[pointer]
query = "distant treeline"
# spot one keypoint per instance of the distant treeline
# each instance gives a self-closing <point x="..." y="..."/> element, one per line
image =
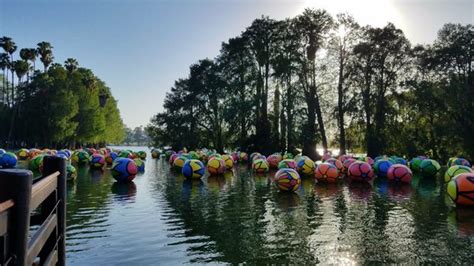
<point x="317" y="79"/>
<point x="58" y="106"/>
<point x="136" y="137"/>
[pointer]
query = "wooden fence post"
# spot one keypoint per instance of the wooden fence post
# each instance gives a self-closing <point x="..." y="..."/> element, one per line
<point x="51" y="165"/>
<point x="16" y="185"/>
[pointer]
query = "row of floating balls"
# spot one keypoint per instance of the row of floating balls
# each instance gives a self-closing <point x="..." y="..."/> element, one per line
<point x="125" y="164"/>
<point x="459" y="177"/>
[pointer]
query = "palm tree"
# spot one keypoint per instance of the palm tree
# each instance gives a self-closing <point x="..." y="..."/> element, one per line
<point x="71" y="64"/>
<point x="46" y="54"/>
<point x="21" y="68"/>
<point x="10" y="47"/>
<point x="4" y="64"/>
<point x="28" y="54"/>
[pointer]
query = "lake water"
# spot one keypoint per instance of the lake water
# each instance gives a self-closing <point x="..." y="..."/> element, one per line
<point x="163" y="219"/>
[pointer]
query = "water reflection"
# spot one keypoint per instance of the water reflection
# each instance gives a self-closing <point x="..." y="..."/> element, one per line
<point x="241" y="217"/>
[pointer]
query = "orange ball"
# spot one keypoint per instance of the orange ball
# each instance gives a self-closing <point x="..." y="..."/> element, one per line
<point x="326" y="172"/>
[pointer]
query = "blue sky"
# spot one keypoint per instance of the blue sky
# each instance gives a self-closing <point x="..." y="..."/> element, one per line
<point x="139" y="47"/>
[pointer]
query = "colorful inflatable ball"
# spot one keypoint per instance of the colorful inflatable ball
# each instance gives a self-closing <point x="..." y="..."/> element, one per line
<point x="461" y="189"/>
<point x="215" y="166"/>
<point x="33" y="152"/>
<point x="142" y="155"/>
<point x="454" y="171"/>
<point x="360" y="171"/>
<point x="288" y="155"/>
<point x="429" y="168"/>
<point x="178" y="163"/>
<point x="460" y="161"/>
<point x="140" y="164"/>
<point x="229" y="162"/>
<point x="273" y="161"/>
<point x="172" y="158"/>
<point x="80" y="157"/>
<point x="155" y="154"/>
<point x="338" y="164"/>
<point x="2" y="151"/>
<point x="22" y="154"/>
<point x="36" y="162"/>
<point x="381" y="167"/>
<point x="326" y="172"/>
<point x="125" y="154"/>
<point x="415" y="164"/>
<point x="124" y="169"/>
<point x="71" y="172"/>
<point x="260" y="166"/>
<point x="97" y="161"/>
<point x="305" y="166"/>
<point x="243" y="157"/>
<point x="287" y="163"/>
<point x="399" y="173"/>
<point x="348" y="163"/>
<point x="287" y="180"/>
<point x="8" y="160"/>
<point x="110" y="157"/>
<point x="193" y="169"/>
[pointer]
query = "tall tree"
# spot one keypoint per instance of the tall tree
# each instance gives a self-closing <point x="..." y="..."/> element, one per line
<point x="45" y="50"/>
<point x="312" y="26"/>
<point x="71" y="64"/>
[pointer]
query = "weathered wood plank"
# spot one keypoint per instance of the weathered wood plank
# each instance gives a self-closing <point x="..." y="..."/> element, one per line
<point x="42" y="189"/>
<point x="4" y="206"/>
<point x="40" y="237"/>
<point x="52" y="258"/>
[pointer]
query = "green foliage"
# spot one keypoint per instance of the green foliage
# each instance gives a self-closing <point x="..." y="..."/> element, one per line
<point x="57" y="107"/>
<point x="325" y="75"/>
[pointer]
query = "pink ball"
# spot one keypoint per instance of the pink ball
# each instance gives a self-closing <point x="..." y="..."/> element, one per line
<point x="399" y="173"/>
<point x="360" y="171"/>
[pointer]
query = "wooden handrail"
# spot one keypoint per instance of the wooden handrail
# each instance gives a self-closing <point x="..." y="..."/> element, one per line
<point x="40" y="237"/>
<point x="4" y="206"/>
<point x="42" y="189"/>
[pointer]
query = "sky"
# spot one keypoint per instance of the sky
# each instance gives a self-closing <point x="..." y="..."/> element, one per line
<point x="139" y="47"/>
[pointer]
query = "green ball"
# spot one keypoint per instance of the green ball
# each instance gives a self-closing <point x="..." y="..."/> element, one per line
<point x="36" y="162"/>
<point x="71" y="172"/>
<point x="415" y="164"/>
<point x="429" y="168"/>
<point x="454" y="171"/>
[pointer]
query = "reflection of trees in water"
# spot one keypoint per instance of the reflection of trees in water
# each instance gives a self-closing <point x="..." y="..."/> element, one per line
<point x="87" y="208"/>
<point x="124" y="192"/>
<point x="236" y="219"/>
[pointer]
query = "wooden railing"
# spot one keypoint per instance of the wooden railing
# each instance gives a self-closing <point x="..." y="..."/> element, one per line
<point x="24" y="203"/>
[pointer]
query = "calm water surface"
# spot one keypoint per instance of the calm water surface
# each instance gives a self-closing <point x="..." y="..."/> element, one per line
<point x="162" y="218"/>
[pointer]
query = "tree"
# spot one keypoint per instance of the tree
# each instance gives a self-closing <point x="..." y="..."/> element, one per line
<point x="45" y="50"/>
<point x="71" y="64"/>
<point x="312" y="25"/>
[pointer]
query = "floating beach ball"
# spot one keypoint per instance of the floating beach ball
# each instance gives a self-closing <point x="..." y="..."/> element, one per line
<point x="235" y="156"/>
<point x="178" y="163"/>
<point x="2" y="151"/>
<point x="400" y="160"/>
<point x="260" y="166"/>
<point x="273" y="161"/>
<point x="461" y="189"/>
<point x="454" y="171"/>
<point x="155" y="154"/>
<point x="338" y="164"/>
<point x="142" y="155"/>
<point x="125" y="154"/>
<point x="326" y="172"/>
<point x="360" y="171"/>
<point x="288" y="155"/>
<point x="460" y="161"/>
<point x="429" y="168"/>
<point x="215" y="166"/>
<point x="111" y="156"/>
<point x="193" y="169"/>
<point x="80" y="157"/>
<point x="8" y="160"/>
<point x="229" y="162"/>
<point x="287" y="179"/>
<point x="36" y="162"/>
<point x="399" y="173"/>
<point x="22" y="154"/>
<point x="124" y="169"/>
<point x="140" y="164"/>
<point x="259" y="156"/>
<point x="253" y="154"/>
<point x="172" y="158"/>
<point x="243" y="157"/>
<point x="71" y="172"/>
<point x="97" y="161"/>
<point x="305" y="166"/>
<point x="415" y="164"/>
<point x="348" y="163"/>
<point x="32" y="153"/>
<point x="381" y="167"/>
<point x="287" y="163"/>
<point x="194" y="155"/>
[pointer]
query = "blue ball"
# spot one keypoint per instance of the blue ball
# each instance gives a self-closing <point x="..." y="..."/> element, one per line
<point x="193" y="169"/>
<point x="8" y="160"/>
<point x="2" y="151"/>
<point x="382" y="166"/>
<point x="124" y="169"/>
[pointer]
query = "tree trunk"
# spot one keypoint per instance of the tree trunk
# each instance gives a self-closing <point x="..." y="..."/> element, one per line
<point x="340" y="107"/>
<point x="309" y="132"/>
<point x="289" y="115"/>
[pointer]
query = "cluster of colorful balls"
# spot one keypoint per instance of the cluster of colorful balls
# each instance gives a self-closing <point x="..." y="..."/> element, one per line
<point x="459" y="179"/>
